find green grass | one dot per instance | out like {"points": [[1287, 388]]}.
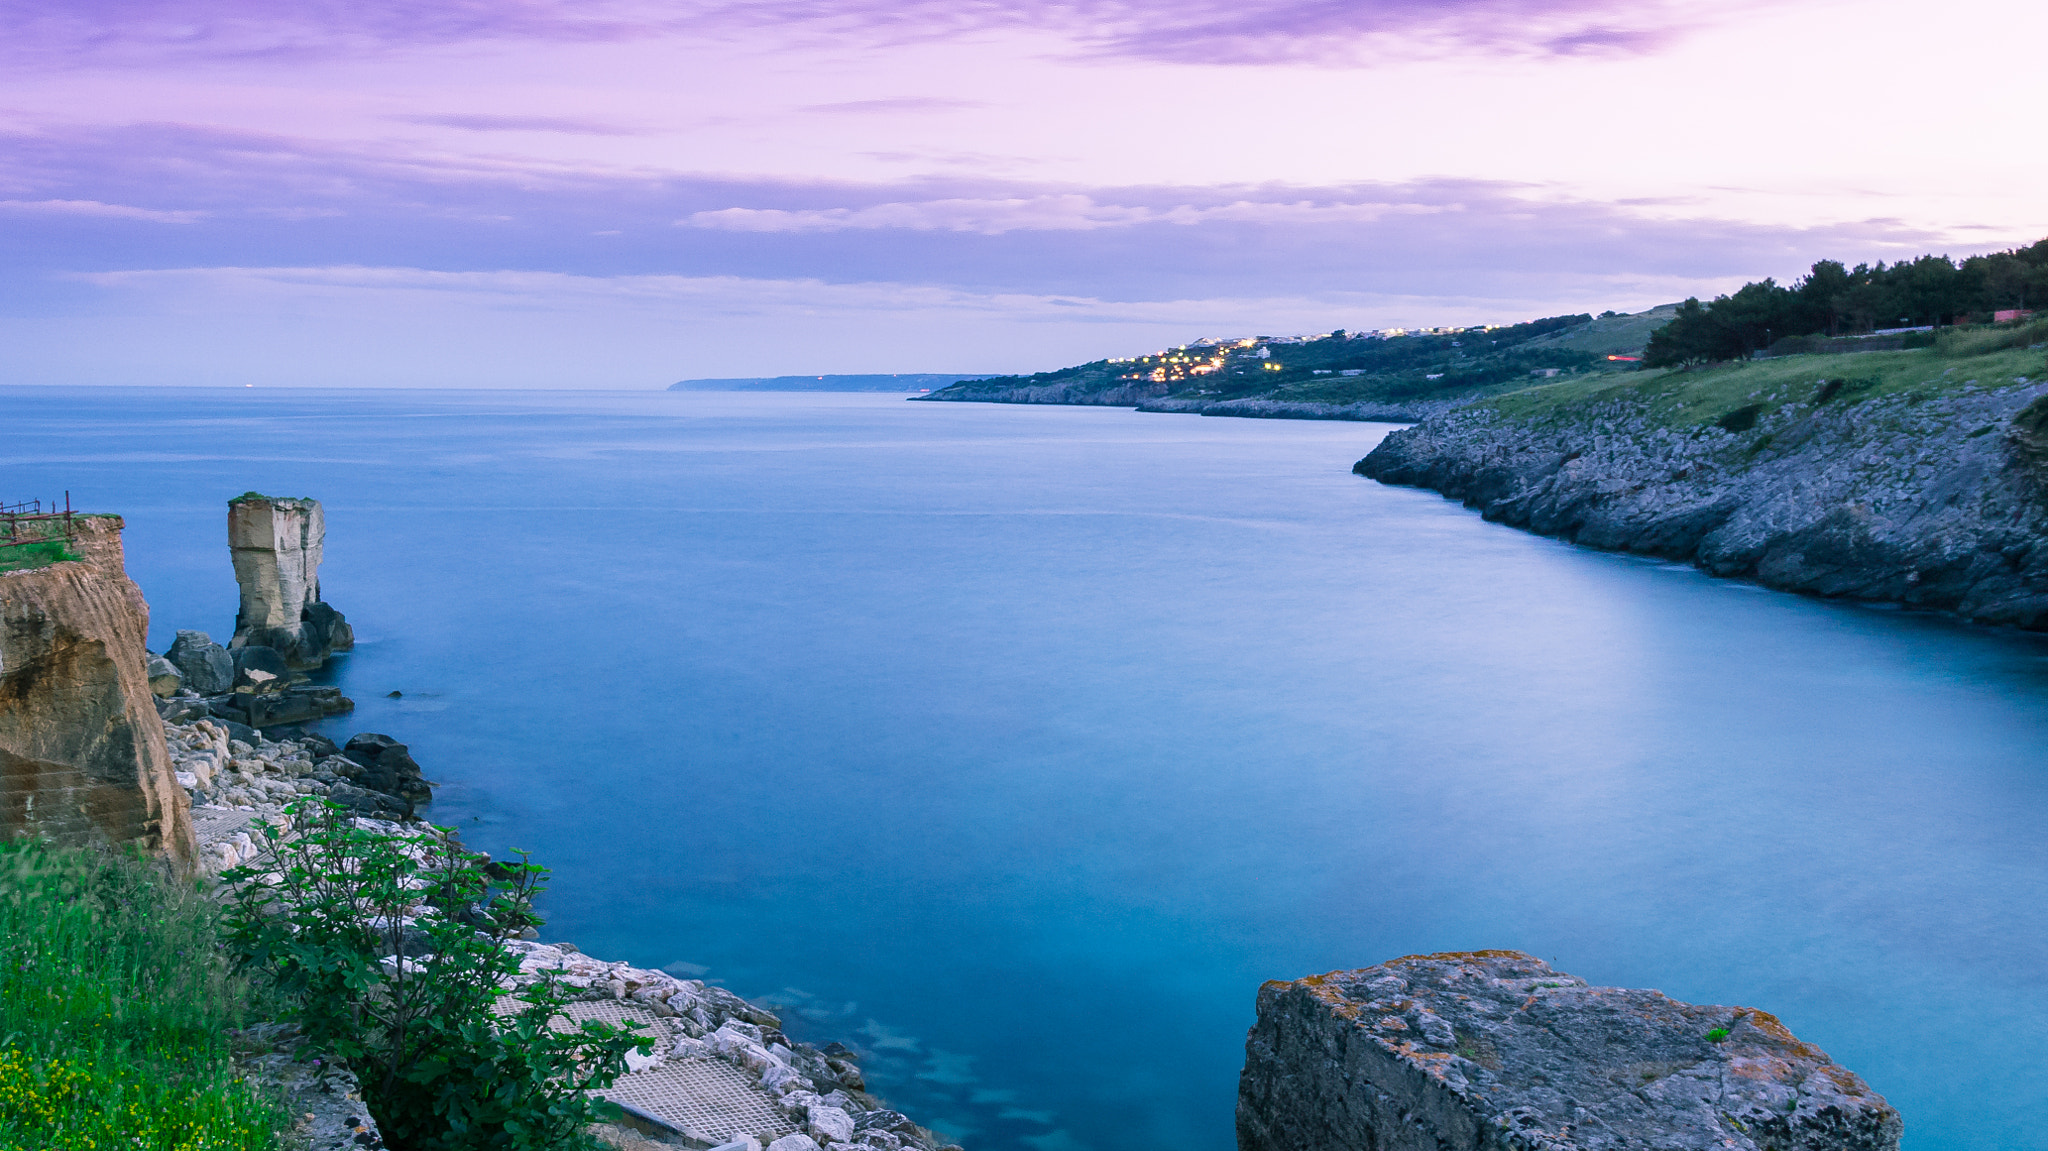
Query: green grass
{"points": [[114, 996], [1615, 334], [40, 554], [1687, 400]]}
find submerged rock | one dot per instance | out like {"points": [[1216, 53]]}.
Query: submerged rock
{"points": [[1493, 1049]]}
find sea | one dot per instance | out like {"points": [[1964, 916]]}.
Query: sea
{"points": [[1016, 746]]}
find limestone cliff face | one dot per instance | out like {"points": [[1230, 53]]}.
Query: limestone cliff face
{"points": [[276, 545], [1493, 1050], [1930, 502], [82, 755]]}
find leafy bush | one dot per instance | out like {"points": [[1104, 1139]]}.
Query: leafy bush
{"points": [[1982, 341], [114, 1000], [391, 950]]}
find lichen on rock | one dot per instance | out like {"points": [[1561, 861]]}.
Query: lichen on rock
{"points": [[1492, 1049]]}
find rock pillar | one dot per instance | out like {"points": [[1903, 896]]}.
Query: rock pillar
{"points": [[82, 754], [1493, 1050], [276, 545]]}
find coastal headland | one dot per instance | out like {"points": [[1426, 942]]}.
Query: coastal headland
{"points": [[1914, 477]]}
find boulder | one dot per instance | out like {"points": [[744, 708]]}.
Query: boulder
{"points": [[206, 665], [260, 669], [164, 679], [387, 767], [831, 1125], [282, 708], [374, 804], [1493, 1050], [183, 710]]}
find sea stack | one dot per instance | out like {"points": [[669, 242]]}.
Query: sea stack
{"points": [[82, 753], [1493, 1050], [276, 545]]}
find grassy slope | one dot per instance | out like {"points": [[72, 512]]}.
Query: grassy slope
{"points": [[1615, 335], [1682, 400], [113, 1001]]}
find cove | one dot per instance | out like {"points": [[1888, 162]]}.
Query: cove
{"points": [[1018, 745]]}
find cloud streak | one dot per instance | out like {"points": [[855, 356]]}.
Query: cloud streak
{"points": [[486, 122], [1180, 31], [101, 210], [1070, 212]]}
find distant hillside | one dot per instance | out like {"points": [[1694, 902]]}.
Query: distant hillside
{"points": [[899, 382], [1398, 375]]}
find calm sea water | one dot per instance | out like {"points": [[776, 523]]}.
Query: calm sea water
{"points": [[1018, 745]]}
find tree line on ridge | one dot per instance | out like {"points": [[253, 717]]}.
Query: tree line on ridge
{"points": [[1834, 300]]}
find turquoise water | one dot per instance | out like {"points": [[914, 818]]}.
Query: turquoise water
{"points": [[1018, 745]]}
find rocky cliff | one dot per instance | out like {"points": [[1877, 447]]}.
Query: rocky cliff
{"points": [[276, 545], [1886, 477], [1494, 1050], [82, 755]]}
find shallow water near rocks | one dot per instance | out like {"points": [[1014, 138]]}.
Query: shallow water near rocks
{"points": [[1018, 745]]}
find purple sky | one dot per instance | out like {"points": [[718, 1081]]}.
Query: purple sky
{"points": [[604, 194]]}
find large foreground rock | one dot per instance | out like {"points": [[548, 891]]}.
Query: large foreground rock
{"points": [[82, 754], [1493, 1049], [277, 545]]}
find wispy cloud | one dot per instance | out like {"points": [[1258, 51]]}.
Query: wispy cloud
{"points": [[486, 122], [274, 200], [886, 107], [1183, 31], [102, 210], [1063, 213]]}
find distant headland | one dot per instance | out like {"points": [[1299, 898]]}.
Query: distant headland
{"points": [[894, 382]]}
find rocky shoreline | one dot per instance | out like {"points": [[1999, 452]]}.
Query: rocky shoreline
{"points": [[1148, 398], [808, 1098], [1933, 497], [722, 1073]]}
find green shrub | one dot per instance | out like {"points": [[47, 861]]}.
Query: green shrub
{"points": [[391, 951], [114, 1000], [1983, 341]]}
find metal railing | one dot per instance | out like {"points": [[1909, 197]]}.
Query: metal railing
{"points": [[12, 516]]}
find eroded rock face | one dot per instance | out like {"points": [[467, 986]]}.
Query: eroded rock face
{"points": [[1493, 1049], [1936, 503], [82, 755], [276, 545]]}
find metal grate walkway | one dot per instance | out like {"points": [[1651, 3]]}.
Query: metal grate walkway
{"points": [[705, 1099]]}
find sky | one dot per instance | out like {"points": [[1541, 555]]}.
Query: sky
{"points": [[622, 193]]}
